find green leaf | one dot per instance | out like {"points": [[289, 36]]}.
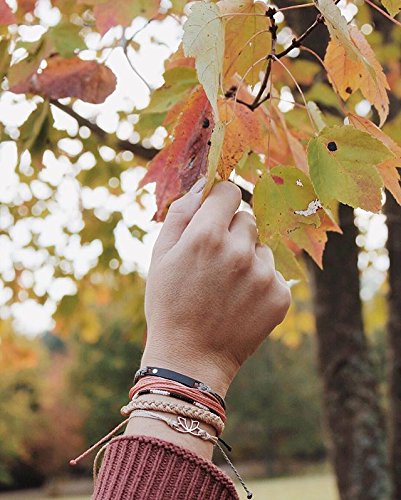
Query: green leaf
{"points": [[286, 262], [284, 200], [34, 132], [66, 39], [148, 123], [392, 6], [178, 81], [204, 40], [342, 163], [37, 51], [250, 167]]}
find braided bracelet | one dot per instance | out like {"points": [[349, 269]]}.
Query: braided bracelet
{"points": [[202, 399], [182, 410], [175, 395]]}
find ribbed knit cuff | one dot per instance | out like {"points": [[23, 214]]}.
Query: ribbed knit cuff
{"points": [[145, 468]]}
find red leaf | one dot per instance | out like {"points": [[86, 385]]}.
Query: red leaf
{"points": [[6, 15], [109, 13], [73, 77], [176, 168]]}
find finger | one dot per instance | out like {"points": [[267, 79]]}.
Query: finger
{"points": [[243, 229], [219, 207], [179, 215], [264, 254]]}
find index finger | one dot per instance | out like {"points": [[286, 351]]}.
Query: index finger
{"points": [[220, 206]]}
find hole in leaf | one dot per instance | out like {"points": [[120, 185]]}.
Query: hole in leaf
{"points": [[332, 146], [205, 123]]}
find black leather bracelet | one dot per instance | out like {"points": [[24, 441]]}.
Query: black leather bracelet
{"points": [[153, 371]]}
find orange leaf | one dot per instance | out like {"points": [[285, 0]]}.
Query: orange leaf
{"points": [[73, 77], [6, 15], [373, 86], [388, 169], [344, 73], [176, 168], [313, 239], [243, 132], [349, 74]]}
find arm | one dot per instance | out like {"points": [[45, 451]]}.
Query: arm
{"points": [[212, 297]]}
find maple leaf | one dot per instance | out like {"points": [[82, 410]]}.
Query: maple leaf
{"points": [[357, 70], [313, 239], [243, 132], [86, 80], [392, 6], [343, 162], [374, 82], [204, 40], [247, 39], [109, 13], [6, 15], [388, 169], [177, 167], [284, 200]]}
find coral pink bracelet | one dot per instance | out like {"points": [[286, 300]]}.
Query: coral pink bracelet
{"points": [[196, 396]]}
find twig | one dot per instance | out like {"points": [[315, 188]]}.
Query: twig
{"points": [[137, 149], [273, 30], [383, 13], [296, 42]]}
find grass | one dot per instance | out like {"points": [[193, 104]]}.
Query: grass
{"points": [[308, 487]]}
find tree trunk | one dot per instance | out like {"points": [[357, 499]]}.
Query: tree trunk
{"points": [[351, 403], [393, 212]]}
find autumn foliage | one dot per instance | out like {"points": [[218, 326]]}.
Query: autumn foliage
{"points": [[222, 105]]}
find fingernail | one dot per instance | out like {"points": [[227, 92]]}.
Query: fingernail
{"points": [[199, 185]]}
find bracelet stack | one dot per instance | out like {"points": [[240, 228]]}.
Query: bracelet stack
{"points": [[203, 406]]}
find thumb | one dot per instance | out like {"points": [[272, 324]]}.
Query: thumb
{"points": [[179, 216]]}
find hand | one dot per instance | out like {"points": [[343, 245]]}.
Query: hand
{"points": [[212, 294]]}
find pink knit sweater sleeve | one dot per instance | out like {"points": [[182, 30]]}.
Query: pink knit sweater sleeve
{"points": [[145, 468]]}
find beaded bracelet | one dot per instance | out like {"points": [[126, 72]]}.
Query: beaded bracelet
{"points": [[176, 409]]}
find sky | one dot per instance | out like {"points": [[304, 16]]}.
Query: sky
{"points": [[157, 41]]}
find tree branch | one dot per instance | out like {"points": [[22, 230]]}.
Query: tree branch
{"points": [[137, 149]]}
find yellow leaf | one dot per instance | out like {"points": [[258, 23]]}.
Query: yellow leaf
{"points": [[247, 39], [392, 6]]}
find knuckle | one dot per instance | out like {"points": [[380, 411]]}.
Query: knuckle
{"points": [[241, 259], [208, 238], [230, 189], [177, 207]]}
